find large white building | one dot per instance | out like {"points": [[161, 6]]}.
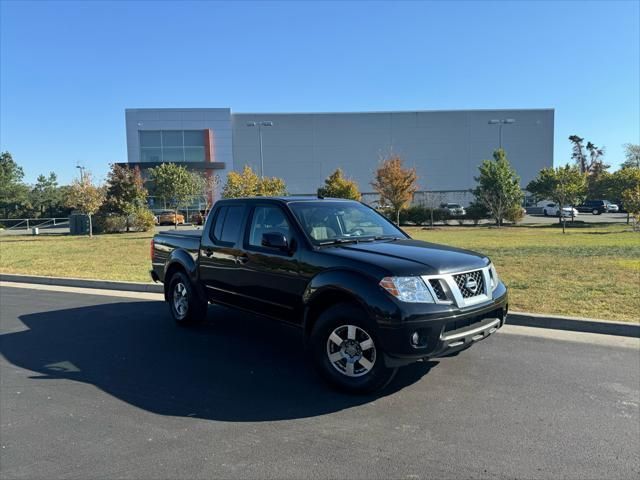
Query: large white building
{"points": [[445, 147]]}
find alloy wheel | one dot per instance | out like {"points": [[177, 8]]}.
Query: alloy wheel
{"points": [[351, 351], [180, 300]]}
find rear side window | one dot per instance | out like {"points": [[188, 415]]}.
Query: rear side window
{"points": [[228, 224]]}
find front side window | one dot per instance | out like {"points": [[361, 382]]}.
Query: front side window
{"points": [[268, 219], [334, 221]]}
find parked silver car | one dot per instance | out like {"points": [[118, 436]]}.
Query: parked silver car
{"points": [[454, 209]]}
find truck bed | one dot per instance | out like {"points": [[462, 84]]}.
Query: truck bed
{"points": [[166, 242]]}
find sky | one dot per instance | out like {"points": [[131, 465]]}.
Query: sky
{"points": [[68, 70]]}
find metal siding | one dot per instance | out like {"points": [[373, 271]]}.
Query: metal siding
{"points": [[446, 147]]}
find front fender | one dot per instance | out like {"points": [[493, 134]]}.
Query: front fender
{"points": [[356, 286]]}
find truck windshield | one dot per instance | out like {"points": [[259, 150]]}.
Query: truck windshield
{"points": [[330, 222]]}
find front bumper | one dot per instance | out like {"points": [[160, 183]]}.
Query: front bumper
{"points": [[443, 334]]}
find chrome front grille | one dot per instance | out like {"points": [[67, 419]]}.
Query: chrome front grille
{"points": [[438, 290], [470, 284], [462, 288]]}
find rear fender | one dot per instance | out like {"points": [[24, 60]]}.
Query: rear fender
{"points": [[184, 261]]}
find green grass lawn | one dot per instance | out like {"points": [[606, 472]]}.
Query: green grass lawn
{"points": [[591, 271]]}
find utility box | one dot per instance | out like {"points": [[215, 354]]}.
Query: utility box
{"points": [[78, 224], [35, 231]]}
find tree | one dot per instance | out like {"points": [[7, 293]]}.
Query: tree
{"points": [[498, 187], [577, 152], [395, 184], [85, 197], [175, 185], [125, 192], [248, 184], [593, 163], [566, 186], [13, 192], [632, 156], [45, 194], [596, 163], [208, 185], [631, 199], [432, 200], [625, 179], [337, 185]]}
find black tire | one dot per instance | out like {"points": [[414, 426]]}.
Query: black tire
{"points": [[595, 211], [365, 379], [192, 309]]}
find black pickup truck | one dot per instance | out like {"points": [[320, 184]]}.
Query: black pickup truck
{"points": [[367, 297]]}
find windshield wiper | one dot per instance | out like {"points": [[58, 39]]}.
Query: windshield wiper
{"points": [[367, 238], [387, 237], [335, 241]]}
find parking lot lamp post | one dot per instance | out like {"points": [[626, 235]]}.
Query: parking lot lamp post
{"points": [[81, 172], [260, 125], [500, 123]]}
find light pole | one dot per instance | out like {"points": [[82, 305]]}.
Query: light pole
{"points": [[81, 172], [260, 125], [500, 123]]}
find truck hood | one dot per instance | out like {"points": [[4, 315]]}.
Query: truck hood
{"points": [[429, 258]]}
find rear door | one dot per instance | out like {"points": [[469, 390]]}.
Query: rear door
{"points": [[220, 249]]}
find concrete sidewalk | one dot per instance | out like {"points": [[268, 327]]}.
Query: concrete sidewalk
{"points": [[536, 320]]}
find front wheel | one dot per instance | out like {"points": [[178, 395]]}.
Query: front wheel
{"points": [[596, 211], [346, 350], [185, 305]]}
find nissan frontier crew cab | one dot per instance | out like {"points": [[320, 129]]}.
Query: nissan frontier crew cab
{"points": [[367, 297]]}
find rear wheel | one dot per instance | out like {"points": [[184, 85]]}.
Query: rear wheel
{"points": [[185, 305], [595, 211], [346, 350]]}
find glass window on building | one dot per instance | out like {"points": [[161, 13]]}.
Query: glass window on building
{"points": [[172, 138], [172, 145]]}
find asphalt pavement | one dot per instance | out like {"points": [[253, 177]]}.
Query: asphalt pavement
{"points": [[108, 387]]}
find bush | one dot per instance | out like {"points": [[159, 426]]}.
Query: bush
{"points": [[142, 220], [417, 215], [109, 223], [477, 212], [514, 215]]}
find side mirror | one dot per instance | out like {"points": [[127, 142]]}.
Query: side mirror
{"points": [[275, 240]]}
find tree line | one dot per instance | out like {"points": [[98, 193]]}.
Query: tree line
{"points": [[121, 204]]}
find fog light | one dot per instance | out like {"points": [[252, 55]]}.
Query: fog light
{"points": [[415, 339]]}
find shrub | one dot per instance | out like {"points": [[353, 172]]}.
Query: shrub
{"points": [[416, 214], [514, 214], [477, 212], [110, 223], [441, 215], [142, 220]]}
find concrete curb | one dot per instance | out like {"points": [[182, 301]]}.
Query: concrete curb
{"points": [[574, 324], [84, 283], [554, 322]]}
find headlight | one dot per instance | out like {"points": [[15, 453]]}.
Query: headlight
{"points": [[494, 277], [407, 289]]}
